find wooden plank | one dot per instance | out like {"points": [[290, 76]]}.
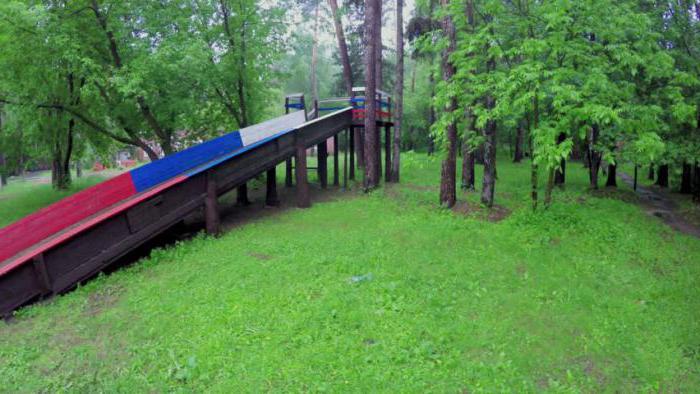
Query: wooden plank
{"points": [[322, 156], [88, 248], [348, 147], [42, 274], [271, 198], [211, 206], [336, 160], [288, 173], [303, 198], [260, 131], [387, 152], [351, 146]]}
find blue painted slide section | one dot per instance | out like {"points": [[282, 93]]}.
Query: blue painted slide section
{"points": [[162, 170]]}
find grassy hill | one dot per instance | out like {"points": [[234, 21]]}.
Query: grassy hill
{"points": [[387, 292]]}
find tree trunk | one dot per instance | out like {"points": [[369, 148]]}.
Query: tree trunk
{"points": [[662, 176], [342, 46], [3, 170], [448, 176], [696, 182], [152, 155], [594, 156], [379, 76], [60, 169], [371, 143], [533, 165], [612, 176], [378, 47], [489, 179], [3, 167], [166, 143], [398, 115], [468, 173], [240, 88], [519, 133], [60, 178], [687, 179], [431, 115], [650, 175], [79, 169], [549, 189], [560, 173], [576, 150], [314, 57], [479, 154]]}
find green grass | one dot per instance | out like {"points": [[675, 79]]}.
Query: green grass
{"points": [[591, 295], [20, 198]]}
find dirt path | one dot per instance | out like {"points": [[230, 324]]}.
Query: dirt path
{"points": [[657, 204]]}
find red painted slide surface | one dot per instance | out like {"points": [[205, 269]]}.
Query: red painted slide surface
{"points": [[38, 226]]}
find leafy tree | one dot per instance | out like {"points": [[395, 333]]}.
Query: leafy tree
{"points": [[565, 71]]}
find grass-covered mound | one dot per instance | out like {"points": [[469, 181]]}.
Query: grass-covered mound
{"points": [[387, 292]]}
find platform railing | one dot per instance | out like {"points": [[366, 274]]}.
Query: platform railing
{"points": [[356, 101]]}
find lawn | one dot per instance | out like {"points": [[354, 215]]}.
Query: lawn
{"points": [[387, 292]]}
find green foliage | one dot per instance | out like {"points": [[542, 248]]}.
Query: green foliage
{"points": [[423, 299], [628, 68], [417, 102], [148, 74]]}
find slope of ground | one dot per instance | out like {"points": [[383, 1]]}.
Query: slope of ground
{"points": [[387, 292]]}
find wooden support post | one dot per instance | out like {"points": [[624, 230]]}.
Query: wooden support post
{"points": [[351, 148], [303, 199], [388, 109], [323, 163], [242, 195], [271, 198], [379, 151], [336, 161], [288, 164], [348, 132], [387, 152], [42, 274], [211, 207], [288, 173]]}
